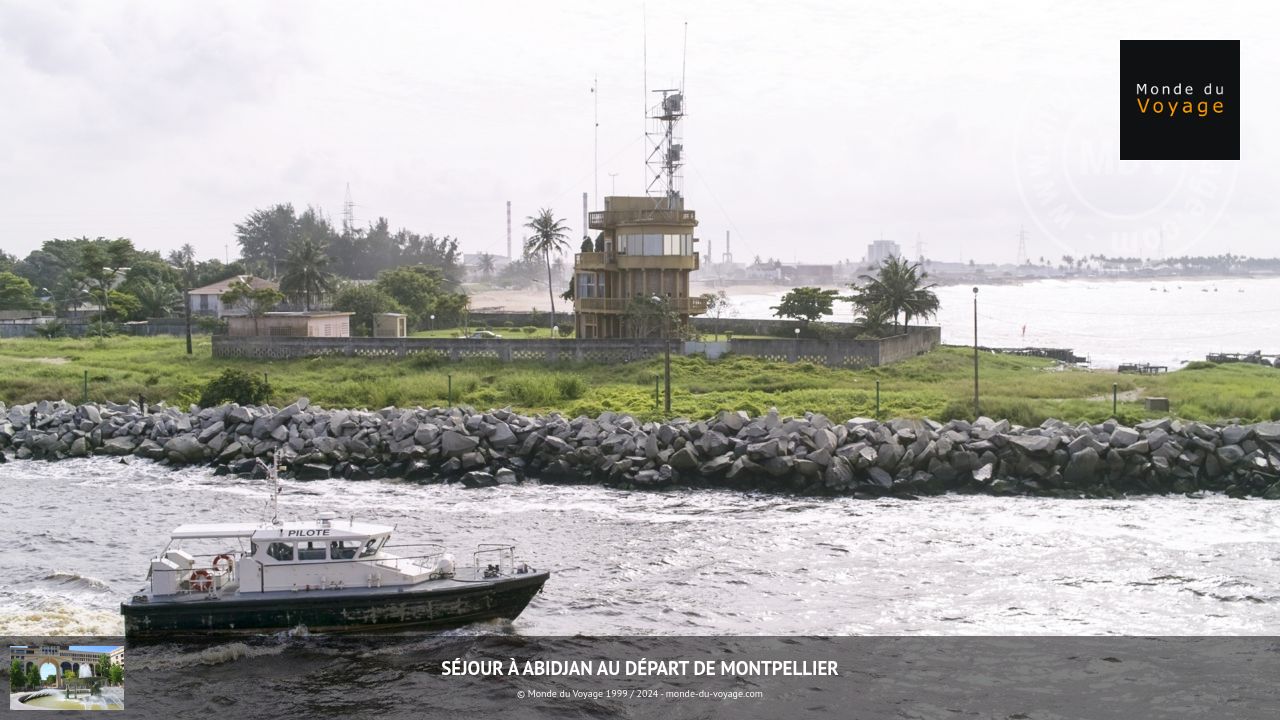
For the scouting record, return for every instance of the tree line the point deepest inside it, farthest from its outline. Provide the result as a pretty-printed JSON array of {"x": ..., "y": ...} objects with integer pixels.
[
  {"x": 365, "y": 270},
  {"x": 109, "y": 274},
  {"x": 268, "y": 236},
  {"x": 898, "y": 290}
]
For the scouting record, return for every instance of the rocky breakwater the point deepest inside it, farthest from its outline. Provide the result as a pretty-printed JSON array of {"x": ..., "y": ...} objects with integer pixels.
[{"x": 809, "y": 454}]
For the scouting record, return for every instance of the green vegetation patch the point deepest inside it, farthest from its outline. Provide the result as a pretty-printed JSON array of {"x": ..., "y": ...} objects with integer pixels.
[{"x": 937, "y": 385}]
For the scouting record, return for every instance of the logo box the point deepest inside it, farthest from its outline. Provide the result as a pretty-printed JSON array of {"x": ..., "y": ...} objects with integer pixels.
[{"x": 1179, "y": 99}]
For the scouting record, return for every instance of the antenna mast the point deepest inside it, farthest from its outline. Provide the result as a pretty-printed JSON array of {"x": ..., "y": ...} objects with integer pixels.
[
  {"x": 595, "y": 96},
  {"x": 1022, "y": 246},
  {"x": 348, "y": 213},
  {"x": 666, "y": 145}
]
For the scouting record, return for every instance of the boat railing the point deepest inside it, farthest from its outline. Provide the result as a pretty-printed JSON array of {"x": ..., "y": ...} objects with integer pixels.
[
  {"x": 414, "y": 564},
  {"x": 494, "y": 556},
  {"x": 197, "y": 579}
]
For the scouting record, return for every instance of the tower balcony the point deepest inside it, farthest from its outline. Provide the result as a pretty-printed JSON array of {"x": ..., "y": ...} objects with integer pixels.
[
  {"x": 680, "y": 305},
  {"x": 615, "y": 261},
  {"x": 604, "y": 219}
]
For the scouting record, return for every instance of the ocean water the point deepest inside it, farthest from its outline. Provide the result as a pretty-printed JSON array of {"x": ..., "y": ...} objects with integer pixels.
[
  {"x": 1162, "y": 322},
  {"x": 693, "y": 562}
]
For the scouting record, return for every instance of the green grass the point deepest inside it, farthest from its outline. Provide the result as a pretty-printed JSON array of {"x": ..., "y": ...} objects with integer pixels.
[{"x": 937, "y": 385}]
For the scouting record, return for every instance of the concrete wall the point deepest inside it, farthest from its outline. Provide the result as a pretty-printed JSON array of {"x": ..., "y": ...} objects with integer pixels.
[
  {"x": 836, "y": 353},
  {"x": 280, "y": 348},
  {"x": 336, "y": 325}
]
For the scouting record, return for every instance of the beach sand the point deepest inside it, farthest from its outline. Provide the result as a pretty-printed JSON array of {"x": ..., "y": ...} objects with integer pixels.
[{"x": 490, "y": 300}]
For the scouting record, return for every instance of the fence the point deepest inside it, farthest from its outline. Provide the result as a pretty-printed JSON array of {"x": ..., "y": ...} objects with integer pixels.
[
  {"x": 836, "y": 353},
  {"x": 80, "y": 329},
  {"x": 280, "y": 348}
]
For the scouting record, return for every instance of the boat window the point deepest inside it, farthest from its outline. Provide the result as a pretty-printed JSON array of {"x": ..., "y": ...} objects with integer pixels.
[
  {"x": 371, "y": 547},
  {"x": 311, "y": 552},
  {"x": 253, "y": 548},
  {"x": 280, "y": 551},
  {"x": 343, "y": 549}
]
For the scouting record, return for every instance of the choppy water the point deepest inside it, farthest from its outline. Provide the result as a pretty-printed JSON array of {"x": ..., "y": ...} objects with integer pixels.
[
  {"x": 79, "y": 533},
  {"x": 1163, "y": 322}
]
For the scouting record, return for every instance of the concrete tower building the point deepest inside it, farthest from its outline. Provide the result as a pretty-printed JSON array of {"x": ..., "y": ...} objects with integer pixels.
[{"x": 644, "y": 248}]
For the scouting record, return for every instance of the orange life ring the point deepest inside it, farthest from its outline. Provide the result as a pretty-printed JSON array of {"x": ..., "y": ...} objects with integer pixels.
[
  {"x": 220, "y": 558},
  {"x": 201, "y": 581}
]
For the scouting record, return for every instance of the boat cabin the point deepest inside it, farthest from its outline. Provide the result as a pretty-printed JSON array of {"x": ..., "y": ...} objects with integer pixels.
[{"x": 325, "y": 553}]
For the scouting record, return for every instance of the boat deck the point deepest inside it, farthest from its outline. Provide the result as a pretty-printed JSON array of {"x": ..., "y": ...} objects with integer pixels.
[{"x": 464, "y": 579}]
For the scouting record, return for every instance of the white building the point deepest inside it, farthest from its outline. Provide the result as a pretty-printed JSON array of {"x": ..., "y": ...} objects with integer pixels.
[
  {"x": 880, "y": 250},
  {"x": 207, "y": 300}
]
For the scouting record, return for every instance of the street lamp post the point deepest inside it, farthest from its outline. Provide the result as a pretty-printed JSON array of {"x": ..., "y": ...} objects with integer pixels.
[
  {"x": 666, "y": 354},
  {"x": 433, "y": 323},
  {"x": 186, "y": 312},
  {"x": 796, "y": 347},
  {"x": 976, "y": 412}
]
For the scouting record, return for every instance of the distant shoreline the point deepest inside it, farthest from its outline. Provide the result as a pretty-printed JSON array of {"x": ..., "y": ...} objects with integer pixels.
[{"x": 498, "y": 300}]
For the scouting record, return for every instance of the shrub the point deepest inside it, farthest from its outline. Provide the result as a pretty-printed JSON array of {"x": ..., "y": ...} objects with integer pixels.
[
  {"x": 50, "y": 330},
  {"x": 211, "y": 325},
  {"x": 528, "y": 330},
  {"x": 570, "y": 387},
  {"x": 1200, "y": 365},
  {"x": 531, "y": 390},
  {"x": 236, "y": 386},
  {"x": 101, "y": 328}
]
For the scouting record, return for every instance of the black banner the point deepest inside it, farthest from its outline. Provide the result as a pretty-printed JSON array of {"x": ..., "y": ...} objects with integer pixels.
[{"x": 512, "y": 676}]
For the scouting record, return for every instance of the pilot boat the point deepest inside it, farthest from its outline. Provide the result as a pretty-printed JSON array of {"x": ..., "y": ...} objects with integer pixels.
[{"x": 327, "y": 574}]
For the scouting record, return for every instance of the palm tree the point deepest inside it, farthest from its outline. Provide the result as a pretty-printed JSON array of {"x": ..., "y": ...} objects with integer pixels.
[
  {"x": 182, "y": 257},
  {"x": 306, "y": 272},
  {"x": 549, "y": 235},
  {"x": 896, "y": 289},
  {"x": 159, "y": 300},
  {"x": 486, "y": 264}
]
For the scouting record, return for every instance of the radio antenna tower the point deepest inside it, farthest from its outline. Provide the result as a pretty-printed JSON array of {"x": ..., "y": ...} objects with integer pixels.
[
  {"x": 509, "y": 256},
  {"x": 666, "y": 148},
  {"x": 1022, "y": 246},
  {"x": 348, "y": 213}
]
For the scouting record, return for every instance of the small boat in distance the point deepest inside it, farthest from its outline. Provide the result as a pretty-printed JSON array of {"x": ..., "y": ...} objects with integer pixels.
[{"x": 327, "y": 574}]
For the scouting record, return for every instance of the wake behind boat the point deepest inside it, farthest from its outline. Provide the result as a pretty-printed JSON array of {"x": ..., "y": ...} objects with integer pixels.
[{"x": 328, "y": 574}]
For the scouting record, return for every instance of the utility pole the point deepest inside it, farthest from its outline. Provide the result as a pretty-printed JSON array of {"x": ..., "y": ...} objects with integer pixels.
[
  {"x": 664, "y": 304},
  {"x": 666, "y": 360},
  {"x": 976, "y": 412},
  {"x": 187, "y": 298},
  {"x": 509, "y": 257}
]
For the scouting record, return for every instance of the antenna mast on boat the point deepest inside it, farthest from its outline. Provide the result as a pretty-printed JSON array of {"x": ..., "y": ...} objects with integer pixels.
[{"x": 273, "y": 473}]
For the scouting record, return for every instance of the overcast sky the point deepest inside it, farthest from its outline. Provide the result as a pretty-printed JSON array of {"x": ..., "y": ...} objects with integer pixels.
[{"x": 813, "y": 127}]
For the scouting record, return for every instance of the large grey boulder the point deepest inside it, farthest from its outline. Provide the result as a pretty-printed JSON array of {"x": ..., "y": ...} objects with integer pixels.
[
  {"x": 120, "y": 445},
  {"x": 502, "y": 436},
  {"x": 1124, "y": 437},
  {"x": 454, "y": 443},
  {"x": 1082, "y": 467},
  {"x": 184, "y": 448},
  {"x": 1267, "y": 431}
]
